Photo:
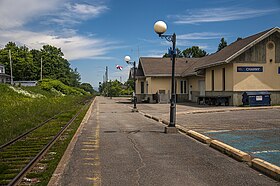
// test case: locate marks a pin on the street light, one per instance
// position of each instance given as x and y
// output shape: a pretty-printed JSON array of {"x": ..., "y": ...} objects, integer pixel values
[
  {"x": 160, "y": 28},
  {"x": 127, "y": 60}
]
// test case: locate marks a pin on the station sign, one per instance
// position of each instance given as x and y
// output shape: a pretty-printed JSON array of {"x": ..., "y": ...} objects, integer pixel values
[{"x": 250, "y": 69}]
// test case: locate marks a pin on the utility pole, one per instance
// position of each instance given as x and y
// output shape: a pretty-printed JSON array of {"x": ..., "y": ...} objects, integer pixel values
[
  {"x": 106, "y": 73},
  {"x": 41, "y": 75},
  {"x": 11, "y": 67}
]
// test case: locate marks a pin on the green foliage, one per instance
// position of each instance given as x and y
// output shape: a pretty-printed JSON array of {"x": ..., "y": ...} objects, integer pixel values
[
  {"x": 87, "y": 87},
  {"x": 194, "y": 52},
  {"x": 116, "y": 88},
  {"x": 20, "y": 112},
  {"x": 27, "y": 64},
  {"x": 55, "y": 85},
  {"x": 222, "y": 44}
]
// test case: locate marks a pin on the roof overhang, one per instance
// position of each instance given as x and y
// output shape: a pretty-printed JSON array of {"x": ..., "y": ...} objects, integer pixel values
[{"x": 211, "y": 65}]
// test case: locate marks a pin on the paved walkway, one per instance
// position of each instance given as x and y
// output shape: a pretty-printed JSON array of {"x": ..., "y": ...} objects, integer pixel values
[
  {"x": 118, "y": 147},
  {"x": 254, "y": 130}
]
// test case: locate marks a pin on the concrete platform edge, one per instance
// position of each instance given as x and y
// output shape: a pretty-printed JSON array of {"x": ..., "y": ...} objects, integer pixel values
[
  {"x": 55, "y": 179},
  {"x": 266, "y": 168}
]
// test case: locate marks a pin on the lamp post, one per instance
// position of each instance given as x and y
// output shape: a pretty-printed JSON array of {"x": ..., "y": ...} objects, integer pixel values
[
  {"x": 160, "y": 27},
  {"x": 127, "y": 60}
]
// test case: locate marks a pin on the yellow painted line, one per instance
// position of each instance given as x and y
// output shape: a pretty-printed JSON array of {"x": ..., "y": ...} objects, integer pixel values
[
  {"x": 88, "y": 149},
  {"x": 93, "y": 179},
  {"x": 90, "y": 146},
  {"x": 90, "y": 164},
  {"x": 89, "y": 142},
  {"x": 97, "y": 174},
  {"x": 91, "y": 158}
]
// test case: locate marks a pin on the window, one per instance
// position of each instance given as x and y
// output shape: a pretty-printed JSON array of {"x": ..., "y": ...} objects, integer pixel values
[
  {"x": 183, "y": 87},
  {"x": 1, "y": 70},
  {"x": 142, "y": 87},
  {"x": 224, "y": 79},
  {"x": 213, "y": 81}
]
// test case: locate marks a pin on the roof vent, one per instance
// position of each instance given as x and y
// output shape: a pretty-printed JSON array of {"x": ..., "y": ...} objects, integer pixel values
[{"x": 270, "y": 45}]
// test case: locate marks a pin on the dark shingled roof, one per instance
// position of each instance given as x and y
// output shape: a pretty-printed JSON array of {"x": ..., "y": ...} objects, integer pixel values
[{"x": 162, "y": 66}]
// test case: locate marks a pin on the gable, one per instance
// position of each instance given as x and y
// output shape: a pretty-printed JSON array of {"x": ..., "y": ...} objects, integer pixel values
[{"x": 257, "y": 53}]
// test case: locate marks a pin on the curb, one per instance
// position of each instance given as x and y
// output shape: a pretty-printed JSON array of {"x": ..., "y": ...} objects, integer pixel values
[
  {"x": 266, "y": 168},
  {"x": 200, "y": 137},
  {"x": 231, "y": 151}
]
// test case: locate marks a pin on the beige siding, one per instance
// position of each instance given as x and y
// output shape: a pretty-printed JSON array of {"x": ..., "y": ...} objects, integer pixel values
[
  {"x": 160, "y": 83},
  {"x": 194, "y": 82},
  {"x": 269, "y": 79},
  {"x": 218, "y": 77}
]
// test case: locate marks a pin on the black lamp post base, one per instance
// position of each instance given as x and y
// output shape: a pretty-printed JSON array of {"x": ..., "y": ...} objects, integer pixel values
[
  {"x": 170, "y": 130},
  {"x": 134, "y": 110}
]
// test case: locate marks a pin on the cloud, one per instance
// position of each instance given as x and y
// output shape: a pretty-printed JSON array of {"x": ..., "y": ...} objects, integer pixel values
[
  {"x": 73, "y": 46},
  {"x": 86, "y": 9},
  {"x": 76, "y": 13},
  {"x": 123, "y": 74},
  {"x": 201, "y": 36},
  {"x": 219, "y": 15},
  {"x": 16, "y": 13}
]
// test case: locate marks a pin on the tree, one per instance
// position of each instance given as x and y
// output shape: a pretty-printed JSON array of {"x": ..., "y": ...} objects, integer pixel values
[
  {"x": 55, "y": 66},
  {"x": 239, "y": 38},
  {"x": 222, "y": 44},
  {"x": 194, "y": 52},
  {"x": 27, "y": 64},
  {"x": 22, "y": 62},
  {"x": 87, "y": 87}
]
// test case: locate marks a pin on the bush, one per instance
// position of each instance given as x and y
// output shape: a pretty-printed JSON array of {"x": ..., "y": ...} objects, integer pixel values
[{"x": 56, "y": 85}]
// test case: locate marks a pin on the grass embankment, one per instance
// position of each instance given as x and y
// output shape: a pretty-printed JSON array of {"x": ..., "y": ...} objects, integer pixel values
[{"x": 26, "y": 107}]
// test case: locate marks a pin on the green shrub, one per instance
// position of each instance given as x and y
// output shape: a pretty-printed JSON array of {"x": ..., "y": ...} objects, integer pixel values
[{"x": 56, "y": 85}]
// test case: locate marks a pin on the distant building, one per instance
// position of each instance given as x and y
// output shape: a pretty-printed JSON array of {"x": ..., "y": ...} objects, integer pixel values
[
  {"x": 4, "y": 78},
  {"x": 26, "y": 83}
]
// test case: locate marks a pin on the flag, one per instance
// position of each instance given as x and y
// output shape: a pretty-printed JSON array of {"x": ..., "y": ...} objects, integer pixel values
[{"x": 119, "y": 67}]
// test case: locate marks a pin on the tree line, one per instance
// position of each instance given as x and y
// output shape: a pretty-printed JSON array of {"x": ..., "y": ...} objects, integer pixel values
[
  {"x": 195, "y": 51},
  {"x": 27, "y": 64}
]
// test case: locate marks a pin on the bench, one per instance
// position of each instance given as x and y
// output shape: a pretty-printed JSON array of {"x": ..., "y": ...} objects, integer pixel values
[{"x": 213, "y": 100}]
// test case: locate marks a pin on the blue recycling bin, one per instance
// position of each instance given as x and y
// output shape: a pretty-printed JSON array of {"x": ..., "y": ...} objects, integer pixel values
[{"x": 256, "y": 98}]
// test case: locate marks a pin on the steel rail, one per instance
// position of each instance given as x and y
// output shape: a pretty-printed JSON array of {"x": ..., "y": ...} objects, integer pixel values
[
  {"x": 19, "y": 177},
  {"x": 24, "y": 134}
]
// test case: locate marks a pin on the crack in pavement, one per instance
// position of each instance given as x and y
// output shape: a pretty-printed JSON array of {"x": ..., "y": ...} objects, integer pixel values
[{"x": 143, "y": 164}]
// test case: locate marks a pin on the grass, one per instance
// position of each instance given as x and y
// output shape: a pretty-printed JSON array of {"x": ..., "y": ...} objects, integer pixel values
[
  {"x": 51, "y": 160},
  {"x": 20, "y": 112},
  {"x": 27, "y": 109}
]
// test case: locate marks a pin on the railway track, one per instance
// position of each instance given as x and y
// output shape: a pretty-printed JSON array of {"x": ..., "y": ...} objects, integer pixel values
[{"x": 18, "y": 156}]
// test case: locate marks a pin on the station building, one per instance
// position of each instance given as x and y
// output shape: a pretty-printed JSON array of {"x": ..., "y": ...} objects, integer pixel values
[{"x": 249, "y": 64}]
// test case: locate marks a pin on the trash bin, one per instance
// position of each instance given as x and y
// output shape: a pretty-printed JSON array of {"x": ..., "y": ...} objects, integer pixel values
[{"x": 256, "y": 98}]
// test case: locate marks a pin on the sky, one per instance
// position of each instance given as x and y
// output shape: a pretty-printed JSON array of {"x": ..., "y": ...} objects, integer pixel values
[{"x": 94, "y": 34}]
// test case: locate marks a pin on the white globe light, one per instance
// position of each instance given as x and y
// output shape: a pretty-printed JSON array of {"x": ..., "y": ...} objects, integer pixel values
[
  {"x": 127, "y": 58},
  {"x": 160, "y": 27}
]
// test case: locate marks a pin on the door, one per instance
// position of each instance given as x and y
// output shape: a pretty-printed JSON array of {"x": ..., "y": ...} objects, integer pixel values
[
  {"x": 190, "y": 92},
  {"x": 202, "y": 88}
]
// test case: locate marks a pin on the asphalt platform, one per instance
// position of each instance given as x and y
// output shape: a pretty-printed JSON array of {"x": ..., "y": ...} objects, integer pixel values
[{"x": 115, "y": 146}]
